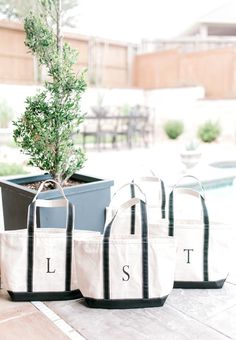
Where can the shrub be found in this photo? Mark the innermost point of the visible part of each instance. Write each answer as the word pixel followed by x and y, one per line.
pixel 209 131
pixel 11 169
pixel 6 113
pixel 174 128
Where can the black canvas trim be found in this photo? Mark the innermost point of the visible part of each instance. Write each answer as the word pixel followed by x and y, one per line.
pixel 125 303
pixel 69 243
pixel 133 210
pixel 199 284
pixel 144 250
pixel 30 247
pixel 106 269
pixel 206 240
pixel 45 296
pixel 171 214
pixel 163 200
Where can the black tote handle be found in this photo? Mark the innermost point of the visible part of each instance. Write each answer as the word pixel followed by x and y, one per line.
pixel 132 186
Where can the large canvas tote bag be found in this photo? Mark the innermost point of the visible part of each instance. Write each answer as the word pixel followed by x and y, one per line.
pixel 203 246
pixel 38 264
pixel 125 271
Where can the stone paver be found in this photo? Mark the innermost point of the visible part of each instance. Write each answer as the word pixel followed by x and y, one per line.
pixel 31 326
pixel 202 304
pixel 225 322
pixel 150 323
pixel 21 320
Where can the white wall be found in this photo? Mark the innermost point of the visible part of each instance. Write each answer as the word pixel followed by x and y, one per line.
pixel 186 104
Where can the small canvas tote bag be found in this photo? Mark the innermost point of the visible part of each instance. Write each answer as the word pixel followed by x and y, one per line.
pixel 120 270
pixel 151 189
pixel 155 192
pixel 38 264
pixel 203 246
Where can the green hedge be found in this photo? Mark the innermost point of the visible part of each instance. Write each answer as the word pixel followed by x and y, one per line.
pixel 11 169
pixel 209 131
pixel 174 128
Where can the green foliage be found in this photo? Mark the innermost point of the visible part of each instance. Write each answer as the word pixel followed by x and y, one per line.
pixel 6 114
pixel 174 128
pixel 209 131
pixel 53 115
pixel 11 169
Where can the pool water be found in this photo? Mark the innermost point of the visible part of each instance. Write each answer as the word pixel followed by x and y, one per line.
pixel 221 201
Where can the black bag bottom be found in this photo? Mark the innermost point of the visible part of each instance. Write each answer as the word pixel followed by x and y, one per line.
pixel 45 296
pixel 199 284
pixel 126 303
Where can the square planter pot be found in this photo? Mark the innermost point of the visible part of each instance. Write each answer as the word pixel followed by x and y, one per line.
pixel 89 198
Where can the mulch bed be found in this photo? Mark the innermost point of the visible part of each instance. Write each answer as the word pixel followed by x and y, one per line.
pixel 50 186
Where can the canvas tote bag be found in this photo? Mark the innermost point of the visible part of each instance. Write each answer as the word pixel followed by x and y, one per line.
pixel 118 270
pixel 155 192
pixel 129 216
pixel 151 189
pixel 38 263
pixel 203 245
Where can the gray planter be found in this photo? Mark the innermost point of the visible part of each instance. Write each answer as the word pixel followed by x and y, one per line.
pixel 89 198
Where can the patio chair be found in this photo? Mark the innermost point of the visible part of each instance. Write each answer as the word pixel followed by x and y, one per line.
pixel 90 130
pixel 142 124
pixel 124 129
pixel 107 130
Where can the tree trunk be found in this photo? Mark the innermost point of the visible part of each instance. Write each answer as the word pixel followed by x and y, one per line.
pixel 59 50
pixel 59 33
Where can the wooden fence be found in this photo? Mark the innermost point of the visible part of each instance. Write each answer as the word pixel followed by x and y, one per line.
pixel 109 63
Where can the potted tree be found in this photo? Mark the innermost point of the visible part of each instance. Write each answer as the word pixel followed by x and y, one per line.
pixel 45 131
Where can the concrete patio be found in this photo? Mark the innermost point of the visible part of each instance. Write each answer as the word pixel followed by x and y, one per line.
pixel 187 314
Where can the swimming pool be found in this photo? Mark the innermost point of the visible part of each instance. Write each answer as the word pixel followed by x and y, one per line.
pixel 221 198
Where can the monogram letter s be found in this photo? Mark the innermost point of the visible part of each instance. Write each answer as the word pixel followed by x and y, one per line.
pixel 126 273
